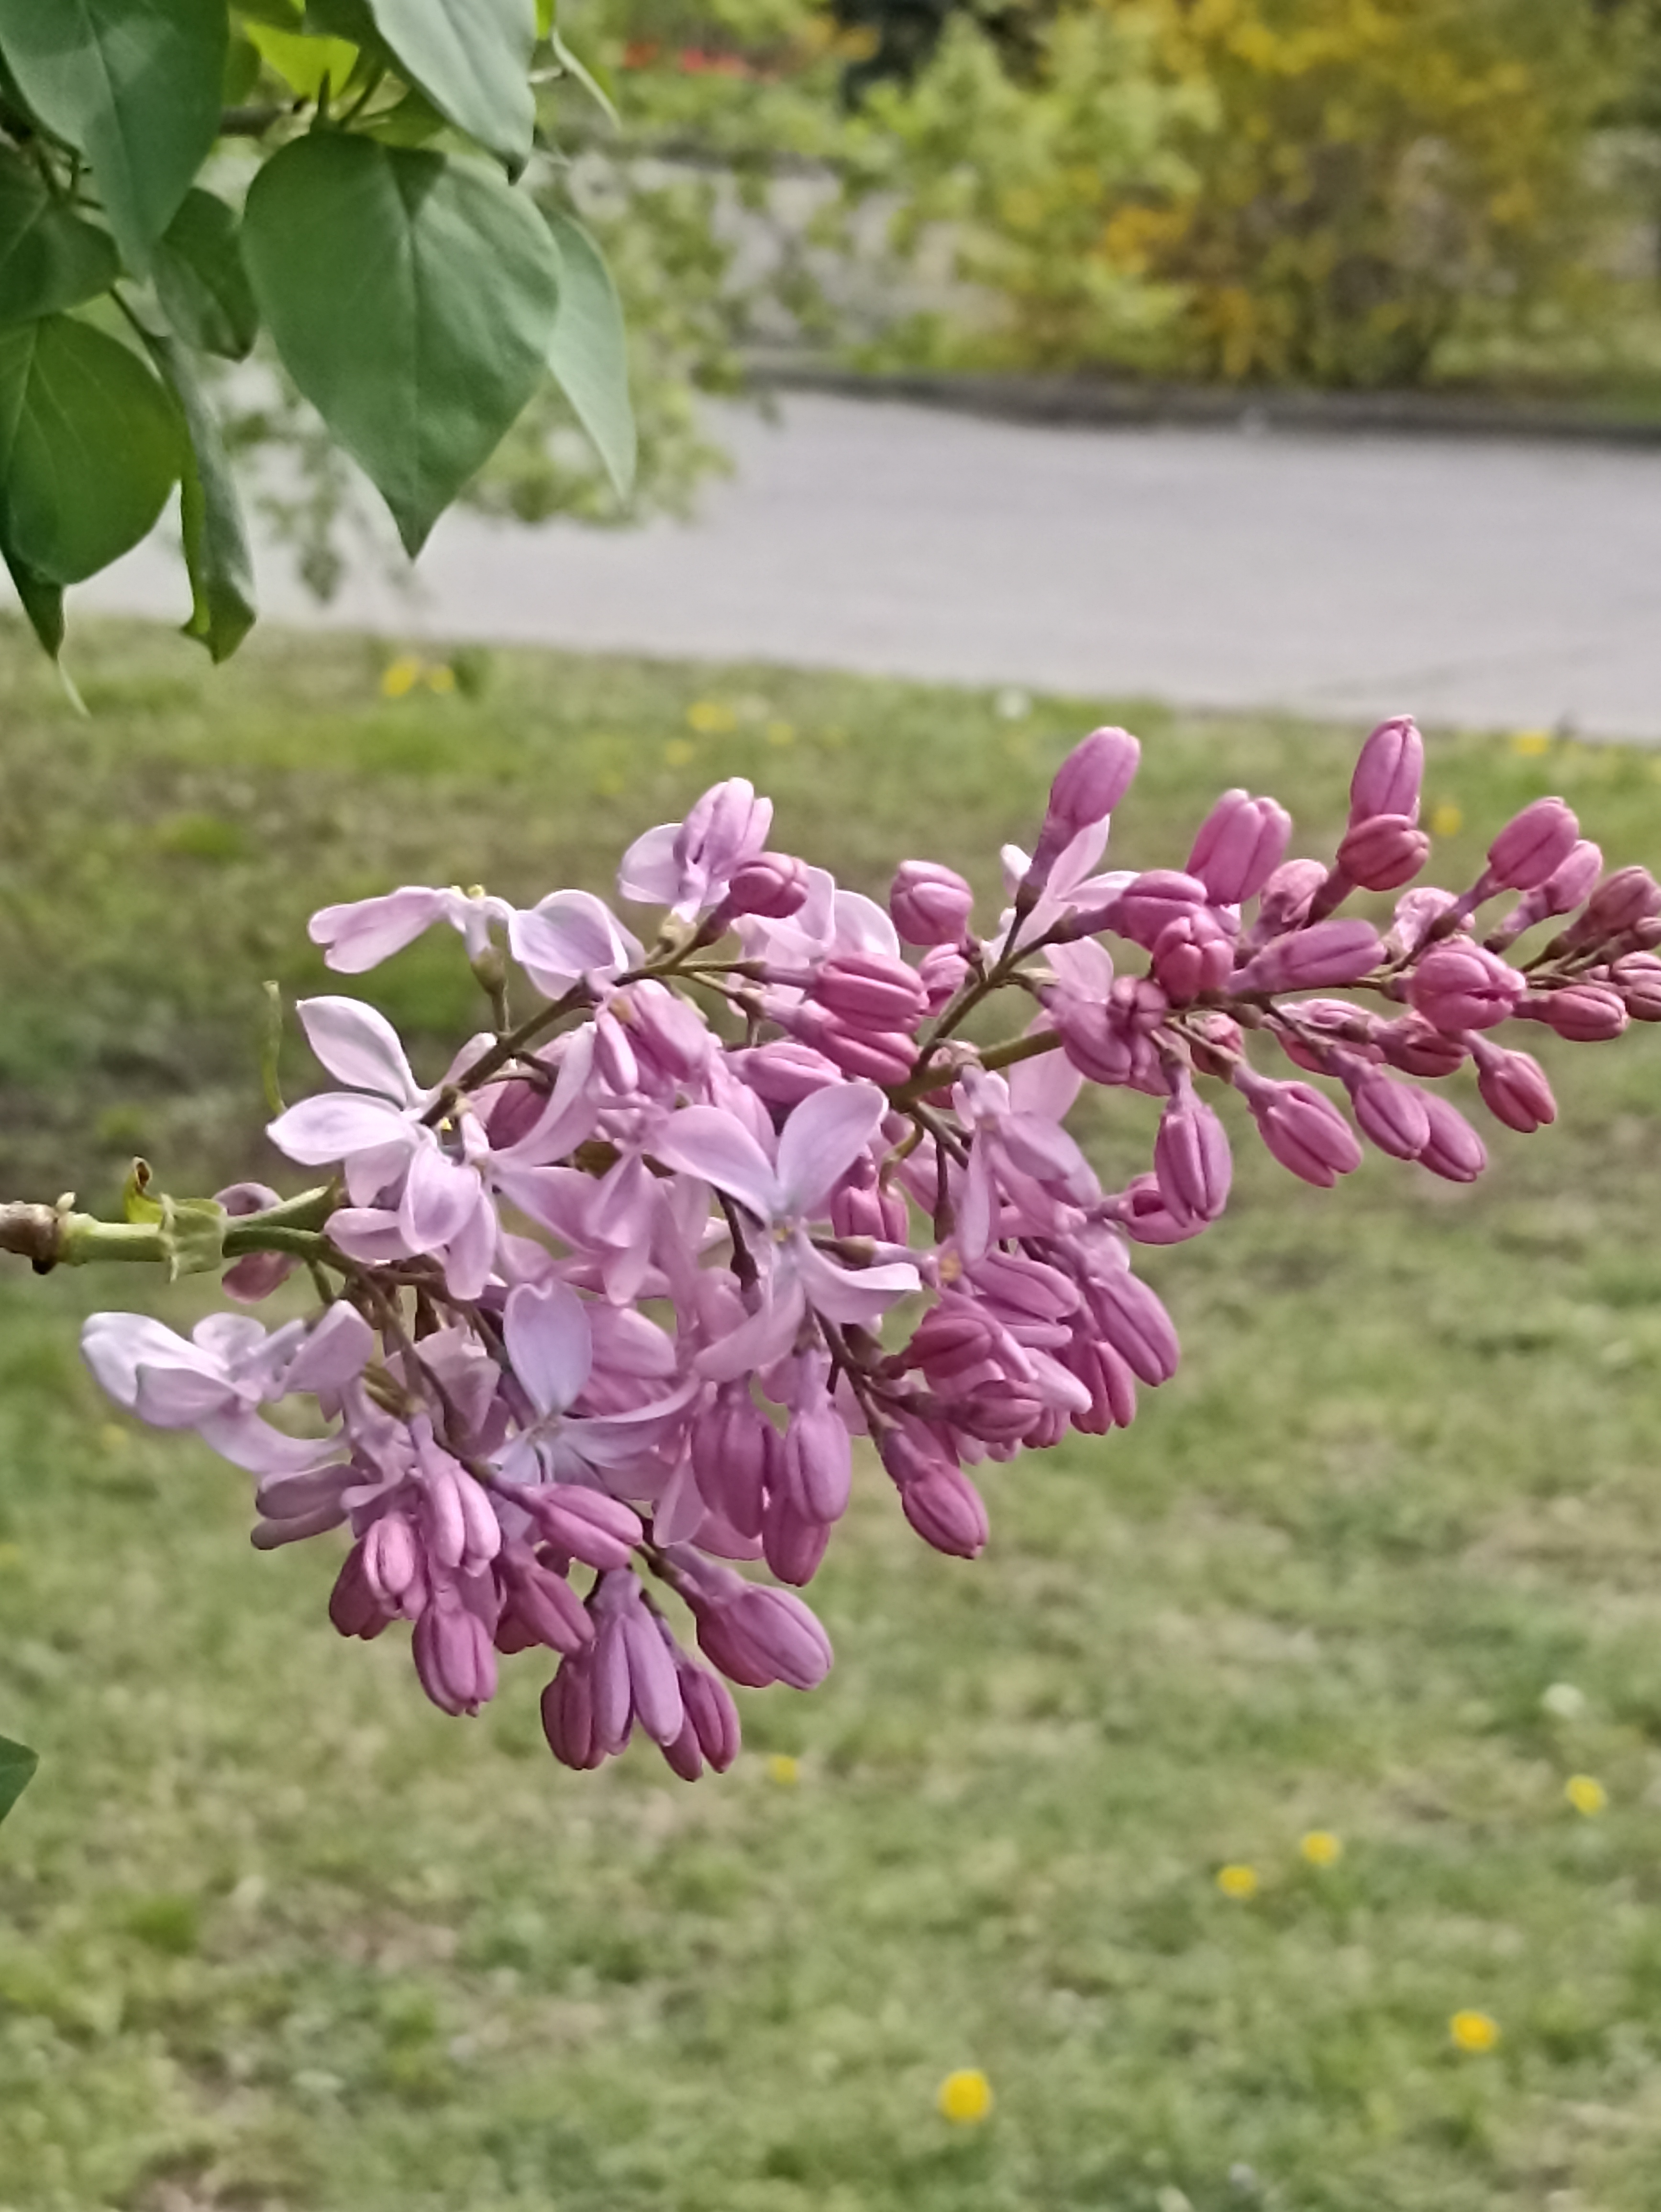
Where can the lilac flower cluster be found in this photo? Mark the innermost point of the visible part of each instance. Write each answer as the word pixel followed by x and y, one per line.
pixel 604 1310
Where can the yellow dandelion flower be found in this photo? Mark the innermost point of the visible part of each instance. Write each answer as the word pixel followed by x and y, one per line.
pixel 1238 1882
pixel 965 2097
pixel 1473 2031
pixel 708 717
pixel 1586 1794
pixel 441 679
pixel 1446 820
pixel 1530 744
pixel 780 733
pixel 400 678
pixel 783 1770
pixel 678 751
pixel 1321 1848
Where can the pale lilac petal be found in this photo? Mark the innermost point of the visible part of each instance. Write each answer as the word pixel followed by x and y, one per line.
pixel 115 1345
pixel 860 925
pixel 570 935
pixel 651 1678
pixel 978 1207
pixel 703 1141
pixel 244 1439
pixel 181 1397
pixel 438 1197
pixel 569 1113
pixel 361 935
pixel 678 1514
pixel 1044 1149
pixel 650 874
pixel 359 1047
pixel 336 1124
pixel 823 1138
pixel 370 1234
pixel 472 1250
pixel 857 1294
pixel 338 1349
pixel 1049 1085
pixel 758 1342
pixel 549 1343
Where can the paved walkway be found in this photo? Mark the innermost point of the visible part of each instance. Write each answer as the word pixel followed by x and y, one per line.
pixel 1511 585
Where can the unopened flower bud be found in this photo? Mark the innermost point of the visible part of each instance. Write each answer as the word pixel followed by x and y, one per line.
pixel 1637 977
pixel 1389 772
pixel 870 990
pixel 1324 954
pixel 773 886
pixel 1239 846
pixel 1454 1149
pixel 1585 1013
pixel 942 972
pixel 1191 1157
pixel 1419 911
pixel 1413 1045
pixel 1287 897
pixel 1514 1088
pixel 1390 1114
pixel 1533 846
pixel 1458 985
pixel 1621 900
pixel 1089 784
pixel 1304 1130
pixel 1384 852
pixel 1151 901
pixel 1193 955
pixel 930 904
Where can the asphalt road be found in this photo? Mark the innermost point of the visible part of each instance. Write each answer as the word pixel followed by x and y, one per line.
pixel 1490 583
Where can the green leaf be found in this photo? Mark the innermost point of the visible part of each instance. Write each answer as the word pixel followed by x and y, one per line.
pixel 216 555
pixel 579 73
pixel 17 1765
pixel 89 448
pixel 304 62
pixel 241 70
pixel 134 84
pixel 284 15
pixel 546 12
pixel 589 354
pixel 412 299
pixel 472 59
pixel 201 282
pixel 43 603
pixel 49 258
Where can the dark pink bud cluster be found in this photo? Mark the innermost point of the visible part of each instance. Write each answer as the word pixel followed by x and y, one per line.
pixel 624 1308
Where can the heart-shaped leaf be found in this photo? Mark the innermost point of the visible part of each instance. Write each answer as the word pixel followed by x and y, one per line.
pixel 413 299
pixel 17 1765
pixel 135 84
pixel 472 59
pixel 50 259
pixel 90 447
pixel 201 282
pixel 589 354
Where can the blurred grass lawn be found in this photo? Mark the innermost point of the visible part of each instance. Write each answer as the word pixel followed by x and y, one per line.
pixel 275 1934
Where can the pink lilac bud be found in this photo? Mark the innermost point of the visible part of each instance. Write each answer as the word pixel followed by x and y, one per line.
pixel 1420 913
pixel 732 1444
pixel 1111 1041
pixel 1214 1039
pixel 1111 1385
pixel 355 1606
pixel 1411 1044
pixel 996 1412
pixel 1572 881
pixel 725 825
pixel 1151 901
pixel 1532 846
pixel 1335 1021
pixel 1585 1013
pixel 1384 852
pixel 543 1603
pixel 952 1338
pixel 257 1275
pixel 947 1511
pixel 870 990
pixel 793 1542
pixel 392 1561
pixel 452 1655
pixel 1136 1325
pixel 1630 895
pixel 1145 1214
pixel 818 1463
pixel 1304 1130
pixel 1191 1157
pixel 758 1635
pixel 876 1210
pixel 773 886
pixel 1462 986
pixel 784 1070
pixel 1389 772
pixel 710 1733
pixel 1514 1087
pixel 1324 953
pixel 1287 897
pixel 1637 977
pixel 585 1524
pixel 1239 846
pixel 1193 955
pixel 1089 784
pixel 568 1716
pixel 669 1035
pixel 868 1056
pixel 1389 1113
pixel 1454 1149
pixel 942 972
pixel 930 904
